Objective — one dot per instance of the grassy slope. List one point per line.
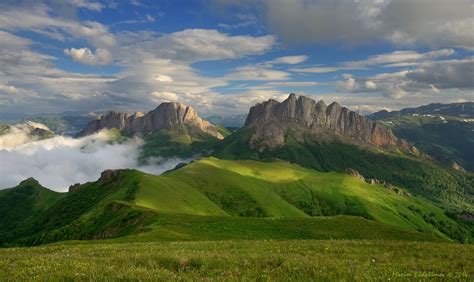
(179, 141)
(21, 204)
(451, 138)
(168, 227)
(446, 187)
(132, 202)
(296, 260)
(281, 189)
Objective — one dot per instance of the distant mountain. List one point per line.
(232, 121)
(464, 110)
(170, 130)
(187, 202)
(167, 115)
(333, 138)
(63, 124)
(446, 132)
(18, 134)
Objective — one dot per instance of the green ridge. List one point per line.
(226, 198)
(447, 187)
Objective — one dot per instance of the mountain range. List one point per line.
(464, 110)
(444, 131)
(293, 161)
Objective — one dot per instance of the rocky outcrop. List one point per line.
(111, 174)
(74, 187)
(165, 116)
(354, 173)
(273, 119)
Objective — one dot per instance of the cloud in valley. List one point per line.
(61, 161)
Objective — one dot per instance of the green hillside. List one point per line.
(445, 186)
(21, 204)
(223, 199)
(179, 141)
(250, 188)
(445, 138)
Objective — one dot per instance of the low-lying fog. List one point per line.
(61, 161)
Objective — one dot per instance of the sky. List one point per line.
(223, 56)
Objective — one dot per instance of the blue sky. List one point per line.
(224, 56)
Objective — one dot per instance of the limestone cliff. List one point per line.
(272, 121)
(165, 116)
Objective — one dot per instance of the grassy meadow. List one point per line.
(297, 260)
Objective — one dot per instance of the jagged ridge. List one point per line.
(273, 119)
(165, 116)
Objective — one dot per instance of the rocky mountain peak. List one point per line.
(272, 121)
(165, 116)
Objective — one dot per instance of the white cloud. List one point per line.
(94, 6)
(257, 72)
(42, 21)
(193, 45)
(370, 85)
(290, 60)
(85, 56)
(61, 161)
(318, 69)
(399, 57)
(8, 89)
(163, 78)
(393, 59)
(292, 84)
(165, 96)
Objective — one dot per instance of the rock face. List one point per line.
(273, 119)
(74, 187)
(165, 116)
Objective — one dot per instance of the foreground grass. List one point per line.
(237, 260)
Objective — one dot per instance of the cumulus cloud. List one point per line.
(61, 161)
(85, 56)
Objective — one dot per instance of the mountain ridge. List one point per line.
(465, 109)
(272, 120)
(165, 116)
(129, 202)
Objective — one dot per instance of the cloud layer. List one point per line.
(61, 161)
(401, 22)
